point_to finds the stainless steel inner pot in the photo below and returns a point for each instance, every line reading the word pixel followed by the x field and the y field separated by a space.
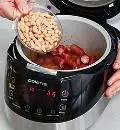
pixel 89 35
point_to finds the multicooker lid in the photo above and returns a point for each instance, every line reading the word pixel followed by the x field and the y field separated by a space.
pixel 99 9
pixel 91 3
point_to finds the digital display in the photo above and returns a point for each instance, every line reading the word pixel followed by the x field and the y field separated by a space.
pixel 47 92
pixel 36 95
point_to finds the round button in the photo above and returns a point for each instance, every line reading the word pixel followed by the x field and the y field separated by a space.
pixel 63 107
pixel 65 93
pixel 39 110
pixel 27 108
pixel 11 93
pixel 13 86
pixel 13 80
pixel 53 112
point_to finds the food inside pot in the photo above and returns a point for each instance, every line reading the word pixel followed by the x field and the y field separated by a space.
pixel 65 58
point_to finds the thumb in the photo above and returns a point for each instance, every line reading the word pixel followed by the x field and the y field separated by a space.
pixel 116 64
pixel 9 11
pixel 22 6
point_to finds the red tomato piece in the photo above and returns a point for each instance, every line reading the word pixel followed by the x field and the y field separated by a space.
pixel 64 55
pixel 67 50
pixel 78 61
pixel 55 67
pixel 71 63
pixel 93 59
pixel 38 61
pixel 59 61
pixel 59 50
pixel 82 66
pixel 47 60
pixel 77 50
pixel 66 67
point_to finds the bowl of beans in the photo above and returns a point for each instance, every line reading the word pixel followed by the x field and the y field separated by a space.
pixel 39 30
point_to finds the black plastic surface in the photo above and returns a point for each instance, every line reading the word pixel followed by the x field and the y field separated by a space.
pixel 98 14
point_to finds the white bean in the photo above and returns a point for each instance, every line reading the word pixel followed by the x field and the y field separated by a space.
pixel 41 39
pixel 39 31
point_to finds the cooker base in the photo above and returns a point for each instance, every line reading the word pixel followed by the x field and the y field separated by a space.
pixel 81 123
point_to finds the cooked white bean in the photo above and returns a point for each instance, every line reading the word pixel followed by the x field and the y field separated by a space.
pixel 26 35
pixel 41 39
pixel 39 31
pixel 24 40
pixel 22 36
pixel 28 24
pixel 22 28
pixel 28 39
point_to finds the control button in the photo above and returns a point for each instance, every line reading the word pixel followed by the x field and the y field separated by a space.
pixel 39 110
pixel 63 107
pixel 13 80
pixel 11 86
pixel 11 93
pixel 53 112
pixel 65 93
pixel 27 108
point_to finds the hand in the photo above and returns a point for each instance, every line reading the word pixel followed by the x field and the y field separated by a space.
pixel 114 81
pixel 11 9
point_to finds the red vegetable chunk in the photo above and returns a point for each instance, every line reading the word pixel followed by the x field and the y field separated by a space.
pixel 38 61
pixel 77 50
pixel 65 58
pixel 71 63
pixel 92 59
pixel 68 50
pixel 47 60
pixel 51 66
pixel 59 50
pixel 65 55
pixel 82 65
pixel 66 67
pixel 78 61
pixel 59 61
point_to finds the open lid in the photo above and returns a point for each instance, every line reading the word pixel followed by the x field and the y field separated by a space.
pixel 91 3
pixel 99 9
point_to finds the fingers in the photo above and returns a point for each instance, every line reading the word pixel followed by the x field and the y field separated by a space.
pixel 16 14
pixel 114 81
pixel 116 65
pixel 113 89
pixel 22 6
pixel 9 11
pixel 114 84
pixel 114 78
